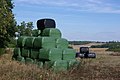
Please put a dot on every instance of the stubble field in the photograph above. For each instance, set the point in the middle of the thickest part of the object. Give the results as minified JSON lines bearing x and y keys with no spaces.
{"x":105,"y":67}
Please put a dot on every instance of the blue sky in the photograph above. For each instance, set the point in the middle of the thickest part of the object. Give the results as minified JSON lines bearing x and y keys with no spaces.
{"x":96,"y":20}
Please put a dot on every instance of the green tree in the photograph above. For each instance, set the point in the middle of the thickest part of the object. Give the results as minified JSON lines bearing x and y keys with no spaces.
{"x":7,"y":22}
{"x":25,"y":29}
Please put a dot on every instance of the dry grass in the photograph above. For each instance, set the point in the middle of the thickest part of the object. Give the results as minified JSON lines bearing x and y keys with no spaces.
{"x":104,"y":67}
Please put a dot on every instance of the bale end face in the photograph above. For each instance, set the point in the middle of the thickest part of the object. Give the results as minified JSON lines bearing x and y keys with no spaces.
{"x":45,"y":23}
{"x":84,"y":50}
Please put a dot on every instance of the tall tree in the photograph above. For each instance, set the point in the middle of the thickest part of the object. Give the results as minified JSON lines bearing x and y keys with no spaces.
{"x":7,"y":22}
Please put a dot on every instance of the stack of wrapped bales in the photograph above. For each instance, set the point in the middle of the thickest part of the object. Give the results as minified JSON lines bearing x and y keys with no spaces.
{"x":46,"y":48}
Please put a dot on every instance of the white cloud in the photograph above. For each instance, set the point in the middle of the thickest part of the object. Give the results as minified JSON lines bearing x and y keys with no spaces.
{"x":100,"y":6}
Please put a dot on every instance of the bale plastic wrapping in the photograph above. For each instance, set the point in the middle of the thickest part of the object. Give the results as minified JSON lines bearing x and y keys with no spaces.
{"x":21,"y":41}
{"x":36,"y":33}
{"x":73,"y":63}
{"x":44,"y":42}
{"x":50,"y":54}
{"x":16,"y":52}
{"x":40,"y":64}
{"x":45,"y":23}
{"x":58,"y":65}
{"x":52,"y":32}
{"x":25,"y":52}
{"x":29,"y":42}
{"x":68,"y":54}
{"x":21,"y":59}
{"x":62,"y":43}
{"x":29,"y":61}
{"x":34,"y":53}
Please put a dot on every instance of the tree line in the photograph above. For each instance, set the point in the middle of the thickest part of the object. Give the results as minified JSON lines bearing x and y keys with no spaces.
{"x":112,"y":46}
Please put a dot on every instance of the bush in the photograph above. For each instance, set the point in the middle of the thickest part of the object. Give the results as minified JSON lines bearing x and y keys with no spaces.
{"x":2,"y":51}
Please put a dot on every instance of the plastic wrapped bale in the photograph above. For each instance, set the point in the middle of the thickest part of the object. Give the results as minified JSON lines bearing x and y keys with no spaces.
{"x":68,"y":54}
{"x":29,"y":42}
{"x":84,"y":50}
{"x":50,"y":54}
{"x":73,"y":63}
{"x":48,"y":64}
{"x":36,"y":33}
{"x":34,"y":53}
{"x":45,"y":23}
{"x":80,"y":55}
{"x":29,"y":61}
{"x":25,"y":52}
{"x":58,"y":65}
{"x":21,"y":41}
{"x":21,"y":59}
{"x":51,"y":32}
{"x":62,"y":43}
{"x":40,"y":64}
{"x":16,"y":53}
{"x":44,"y":42}
{"x":91,"y":55}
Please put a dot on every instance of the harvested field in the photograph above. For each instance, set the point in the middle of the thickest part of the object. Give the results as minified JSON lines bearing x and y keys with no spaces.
{"x":104,"y":67}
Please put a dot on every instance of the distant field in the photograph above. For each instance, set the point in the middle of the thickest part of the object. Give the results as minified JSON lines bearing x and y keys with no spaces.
{"x":76,"y":47}
{"x":104,"y":67}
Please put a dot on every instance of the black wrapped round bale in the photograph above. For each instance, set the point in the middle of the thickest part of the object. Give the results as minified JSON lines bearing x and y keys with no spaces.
{"x":91,"y":55}
{"x":84,"y":50}
{"x":45,"y":23}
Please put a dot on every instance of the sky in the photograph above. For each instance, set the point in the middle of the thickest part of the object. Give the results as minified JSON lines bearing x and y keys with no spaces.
{"x":80,"y":20}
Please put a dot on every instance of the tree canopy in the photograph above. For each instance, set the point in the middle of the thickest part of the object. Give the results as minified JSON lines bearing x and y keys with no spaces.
{"x":7,"y":22}
{"x":25,"y":29}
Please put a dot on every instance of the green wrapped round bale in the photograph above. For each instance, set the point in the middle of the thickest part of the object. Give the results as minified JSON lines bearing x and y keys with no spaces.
{"x":25,"y":52}
{"x":20,"y":59}
{"x":44,"y":42}
{"x":68,"y":54}
{"x":36,"y":33}
{"x":50,"y":54}
{"x":16,"y":52}
{"x":61,"y":43}
{"x":29,"y":42}
{"x":29,"y":61}
{"x":40,"y":64}
{"x":73,"y":63}
{"x":52,"y":32}
{"x":34,"y":53}
{"x":58,"y":65}
{"x":21,"y":41}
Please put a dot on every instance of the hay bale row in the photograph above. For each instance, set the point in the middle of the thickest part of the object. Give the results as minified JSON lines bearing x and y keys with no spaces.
{"x":45,"y":54}
{"x":42,"y":42}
